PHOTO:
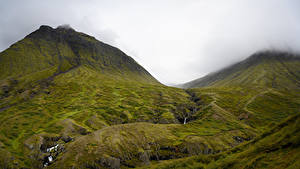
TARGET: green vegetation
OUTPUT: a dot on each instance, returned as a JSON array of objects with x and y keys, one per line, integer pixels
[
  {"x": 271, "y": 69},
  {"x": 275, "y": 148},
  {"x": 62, "y": 87}
]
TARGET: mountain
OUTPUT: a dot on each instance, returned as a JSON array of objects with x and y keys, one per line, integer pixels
[
  {"x": 63, "y": 49},
  {"x": 262, "y": 92},
  {"x": 57, "y": 85},
  {"x": 68, "y": 100},
  {"x": 276, "y": 69}
]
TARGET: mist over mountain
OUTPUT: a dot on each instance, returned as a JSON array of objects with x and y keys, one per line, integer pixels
[
  {"x": 175, "y": 41},
  {"x": 99, "y": 84},
  {"x": 68, "y": 100},
  {"x": 272, "y": 68}
]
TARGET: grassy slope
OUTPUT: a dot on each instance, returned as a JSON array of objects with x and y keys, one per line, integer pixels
[
  {"x": 222, "y": 113},
  {"x": 257, "y": 107},
  {"x": 58, "y": 82},
  {"x": 91, "y": 100},
  {"x": 137, "y": 143},
  {"x": 59, "y": 50},
  {"x": 273, "y": 69},
  {"x": 83, "y": 98},
  {"x": 58, "y": 86},
  {"x": 260, "y": 95},
  {"x": 275, "y": 148}
]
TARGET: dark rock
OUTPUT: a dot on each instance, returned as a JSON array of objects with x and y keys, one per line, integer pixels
[
  {"x": 48, "y": 142},
  {"x": 5, "y": 89},
  {"x": 83, "y": 131},
  {"x": 66, "y": 139},
  {"x": 21, "y": 90},
  {"x": 110, "y": 162},
  {"x": 145, "y": 157},
  {"x": 46, "y": 161}
]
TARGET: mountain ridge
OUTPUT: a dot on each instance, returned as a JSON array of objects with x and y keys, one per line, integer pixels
[
  {"x": 70, "y": 101},
  {"x": 66, "y": 48},
  {"x": 57, "y": 85},
  {"x": 232, "y": 72}
]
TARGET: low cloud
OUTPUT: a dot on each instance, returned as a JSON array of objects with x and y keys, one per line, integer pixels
[
  {"x": 175, "y": 40},
  {"x": 65, "y": 26}
]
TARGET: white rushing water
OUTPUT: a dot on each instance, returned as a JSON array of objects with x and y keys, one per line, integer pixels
[
  {"x": 50, "y": 158},
  {"x": 52, "y": 148}
]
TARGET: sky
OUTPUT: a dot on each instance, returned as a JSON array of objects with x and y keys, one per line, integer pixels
[{"x": 175, "y": 40}]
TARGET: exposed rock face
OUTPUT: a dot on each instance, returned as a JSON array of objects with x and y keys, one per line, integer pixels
[
  {"x": 145, "y": 157},
  {"x": 49, "y": 142},
  {"x": 44, "y": 148},
  {"x": 196, "y": 148},
  {"x": 110, "y": 162}
]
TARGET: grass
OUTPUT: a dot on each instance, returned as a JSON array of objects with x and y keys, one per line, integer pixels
[
  {"x": 276, "y": 148},
  {"x": 83, "y": 98},
  {"x": 92, "y": 101},
  {"x": 119, "y": 116}
]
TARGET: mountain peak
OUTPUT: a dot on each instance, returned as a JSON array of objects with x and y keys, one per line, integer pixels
[
  {"x": 272, "y": 54},
  {"x": 49, "y": 33},
  {"x": 45, "y": 27},
  {"x": 63, "y": 48},
  {"x": 60, "y": 27},
  {"x": 65, "y": 26}
]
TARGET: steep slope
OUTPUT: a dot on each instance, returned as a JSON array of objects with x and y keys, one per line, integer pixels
[
  {"x": 83, "y": 104},
  {"x": 62, "y": 49},
  {"x": 274, "y": 69},
  {"x": 67, "y": 97},
  {"x": 58, "y": 85},
  {"x": 29, "y": 66},
  {"x": 70, "y": 101},
  {"x": 261, "y": 90}
]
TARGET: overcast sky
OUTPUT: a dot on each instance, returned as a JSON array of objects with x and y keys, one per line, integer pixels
[{"x": 175, "y": 40}]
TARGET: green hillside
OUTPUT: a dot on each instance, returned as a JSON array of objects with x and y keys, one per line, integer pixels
[
  {"x": 84, "y": 104},
  {"x": 59, "y": 84},
  {"x": 60, "y": 50},
  {"x": 276, "y": 69},
  {"x": 276, "y": 148},
  {"x": 261, "y": 92}
]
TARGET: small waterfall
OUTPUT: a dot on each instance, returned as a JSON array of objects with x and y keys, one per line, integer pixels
[
  {"x": 50, "y": 159},
  {"x": 52, "y": 148},
  {"x": 184, "y": 121},
  {"x": 45, "y": 164}
]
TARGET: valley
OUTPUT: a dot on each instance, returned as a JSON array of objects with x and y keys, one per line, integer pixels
[{"x": 99, "y": 108}]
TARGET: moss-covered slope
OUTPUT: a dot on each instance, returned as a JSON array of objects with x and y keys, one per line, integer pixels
[
  {"x": 62, "y": 49},
  {"x": 274, "y": 69},
  {"x": 100, "y": 109},
  {"x": 58, "y": 85},
  {"x": 275, "y": 148}
]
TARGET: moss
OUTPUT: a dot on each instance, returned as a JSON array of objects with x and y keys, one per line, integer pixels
[
  {"x": 273, "y": 149},
  {"x": 70, "y": 85}
]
